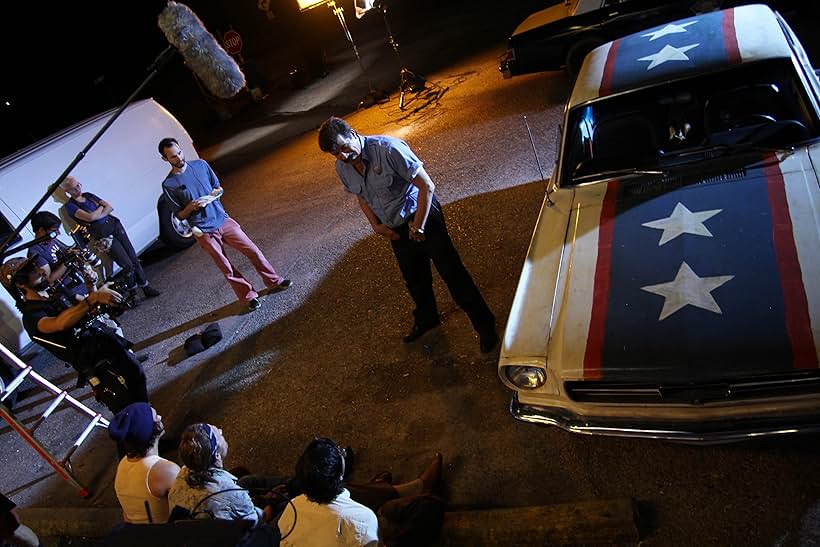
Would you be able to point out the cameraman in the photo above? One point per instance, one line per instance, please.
(50, 256)
(77, 338)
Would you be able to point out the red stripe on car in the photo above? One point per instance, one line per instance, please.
(795, 303)
(600, 294)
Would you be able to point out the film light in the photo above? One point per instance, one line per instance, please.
(305, 5)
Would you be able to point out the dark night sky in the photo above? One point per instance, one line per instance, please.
(66, 61)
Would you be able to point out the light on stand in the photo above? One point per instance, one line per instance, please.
(374, 96)
(409, 81)
(305, 5)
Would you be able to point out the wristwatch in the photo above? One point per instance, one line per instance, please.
(417, 230)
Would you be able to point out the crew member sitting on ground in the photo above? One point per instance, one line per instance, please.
(333, 513)
(203, 449)
(143, 478)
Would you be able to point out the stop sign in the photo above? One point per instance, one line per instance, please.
(233, 42)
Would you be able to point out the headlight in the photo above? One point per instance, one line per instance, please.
(526, 377)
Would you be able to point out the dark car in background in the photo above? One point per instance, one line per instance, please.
(562, 35)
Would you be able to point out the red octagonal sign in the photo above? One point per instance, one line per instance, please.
(233, 42)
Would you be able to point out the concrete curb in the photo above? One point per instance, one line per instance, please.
(70, 521)
(590, 522)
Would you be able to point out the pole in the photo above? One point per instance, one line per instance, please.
(160, 61)
(339, 12)
(375, 95)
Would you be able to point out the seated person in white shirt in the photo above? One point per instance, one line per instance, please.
(143, 478)
(326, 514)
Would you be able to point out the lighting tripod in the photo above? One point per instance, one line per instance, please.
(375, 96)
(409, 81)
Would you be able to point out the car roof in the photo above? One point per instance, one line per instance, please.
(698, 44)
(555, 13)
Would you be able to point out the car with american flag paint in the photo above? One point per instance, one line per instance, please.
(671, 289)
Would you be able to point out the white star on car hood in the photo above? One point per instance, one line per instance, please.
(668, 29)
(682, 221)
(668, 53)
(688, 289)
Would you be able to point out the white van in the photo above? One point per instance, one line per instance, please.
(123, 167)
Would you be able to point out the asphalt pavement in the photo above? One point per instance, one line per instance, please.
(325, 357)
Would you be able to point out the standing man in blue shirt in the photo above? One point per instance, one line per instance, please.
(396, 195)
(193, 190)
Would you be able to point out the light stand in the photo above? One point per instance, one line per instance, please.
(375, 96)
(409, 81)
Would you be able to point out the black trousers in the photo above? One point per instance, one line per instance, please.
(414, 258)
(122, 252)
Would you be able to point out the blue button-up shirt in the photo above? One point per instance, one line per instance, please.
(196, 181)
(389, 166)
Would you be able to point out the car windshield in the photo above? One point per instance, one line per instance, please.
(757, 105)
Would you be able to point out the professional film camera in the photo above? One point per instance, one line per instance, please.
(80, 262)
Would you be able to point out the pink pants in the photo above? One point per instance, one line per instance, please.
(231, 234)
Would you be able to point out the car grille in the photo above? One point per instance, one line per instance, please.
(762, 387)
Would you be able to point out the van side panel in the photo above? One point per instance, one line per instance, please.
(123, 167)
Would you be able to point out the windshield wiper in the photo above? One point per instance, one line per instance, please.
(720, 150)
(615, 173)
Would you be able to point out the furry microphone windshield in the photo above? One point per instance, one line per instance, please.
(202, 53)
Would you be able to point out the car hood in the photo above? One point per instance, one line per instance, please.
(669, 279)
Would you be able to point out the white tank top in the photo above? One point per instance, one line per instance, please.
(131, 485)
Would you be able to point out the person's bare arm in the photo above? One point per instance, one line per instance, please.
(107, 208)
(192, 206)
(161, 477)
(103, 209)
(425, 199)
(55, 274)
(71, 316)
(85, 216)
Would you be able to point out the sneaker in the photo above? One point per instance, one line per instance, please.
(150, 292)
(283, 285)
(254, 304)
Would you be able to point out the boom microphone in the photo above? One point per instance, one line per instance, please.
(202, 53)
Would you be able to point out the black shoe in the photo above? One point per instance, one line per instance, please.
(282, 286)
(150, 292)
(488, 342)
(418, 330)
(254, 304)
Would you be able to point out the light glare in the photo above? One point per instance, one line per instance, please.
(310, 4)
